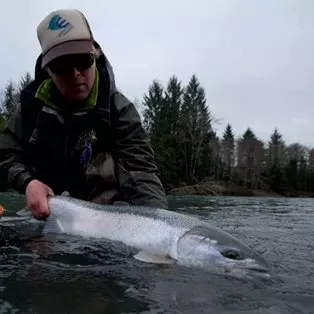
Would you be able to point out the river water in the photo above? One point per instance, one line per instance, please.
(68, 275)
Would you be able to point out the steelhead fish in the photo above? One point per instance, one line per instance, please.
(160, 236)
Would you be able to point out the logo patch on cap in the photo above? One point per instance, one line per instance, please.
(58, 23)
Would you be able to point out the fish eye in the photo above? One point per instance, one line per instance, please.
(232, 254)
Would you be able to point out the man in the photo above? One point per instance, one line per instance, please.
(73, 131)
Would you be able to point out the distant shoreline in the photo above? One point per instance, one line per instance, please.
(231, 189)
(214, 188)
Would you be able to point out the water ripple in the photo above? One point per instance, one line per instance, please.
(70, 275)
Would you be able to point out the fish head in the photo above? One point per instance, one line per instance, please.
(215, 250)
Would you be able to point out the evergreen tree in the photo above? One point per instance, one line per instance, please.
(302, 174)
(173, 101)
(161, 112)
(228, 152)
(275, 161)
(24, 81)
(154, 106)
(10, 99)
(310, 171)
(195, 131)
(250, 159)
(12, 95)
(296, 166)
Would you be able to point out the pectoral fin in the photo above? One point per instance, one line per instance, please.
(53, 225)
(151, 258)
(24, 213)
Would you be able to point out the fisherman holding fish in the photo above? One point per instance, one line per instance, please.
(73, 130)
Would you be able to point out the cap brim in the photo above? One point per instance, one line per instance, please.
(71, 47)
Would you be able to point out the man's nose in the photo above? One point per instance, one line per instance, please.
(74, 72)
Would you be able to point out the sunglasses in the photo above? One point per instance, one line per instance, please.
(66, 64)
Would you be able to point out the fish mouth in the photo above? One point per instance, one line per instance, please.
(250, 273)
(262, 270)
(259, 272)
(251, 269)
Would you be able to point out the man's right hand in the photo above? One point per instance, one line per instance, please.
(37, 198)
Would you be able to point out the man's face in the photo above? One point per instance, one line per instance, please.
(73, 75)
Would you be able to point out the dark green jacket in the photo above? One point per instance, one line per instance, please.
(99, 153)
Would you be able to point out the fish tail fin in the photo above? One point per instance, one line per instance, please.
(53, 225)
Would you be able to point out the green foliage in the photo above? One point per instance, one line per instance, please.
(275, 157)
(228, 133)
(188, 151)
(11, 97)
(249, 135)
(228, 153)
(179, 123)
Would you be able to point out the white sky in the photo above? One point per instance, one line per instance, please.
(255, 59)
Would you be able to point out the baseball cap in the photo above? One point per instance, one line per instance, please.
(64, 32)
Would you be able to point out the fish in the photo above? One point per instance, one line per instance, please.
(159, 236)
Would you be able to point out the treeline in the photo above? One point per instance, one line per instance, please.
(188, 151)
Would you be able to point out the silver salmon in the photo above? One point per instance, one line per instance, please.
(159, 235)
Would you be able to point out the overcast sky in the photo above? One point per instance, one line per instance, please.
(255, 58)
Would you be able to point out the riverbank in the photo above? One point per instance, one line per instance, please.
(222, 189)
(231, 189)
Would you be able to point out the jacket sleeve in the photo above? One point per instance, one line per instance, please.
(137, 172)
(13, 159)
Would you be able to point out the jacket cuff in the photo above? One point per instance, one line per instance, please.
(22, 181)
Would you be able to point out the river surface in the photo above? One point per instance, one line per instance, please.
(41, 274)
